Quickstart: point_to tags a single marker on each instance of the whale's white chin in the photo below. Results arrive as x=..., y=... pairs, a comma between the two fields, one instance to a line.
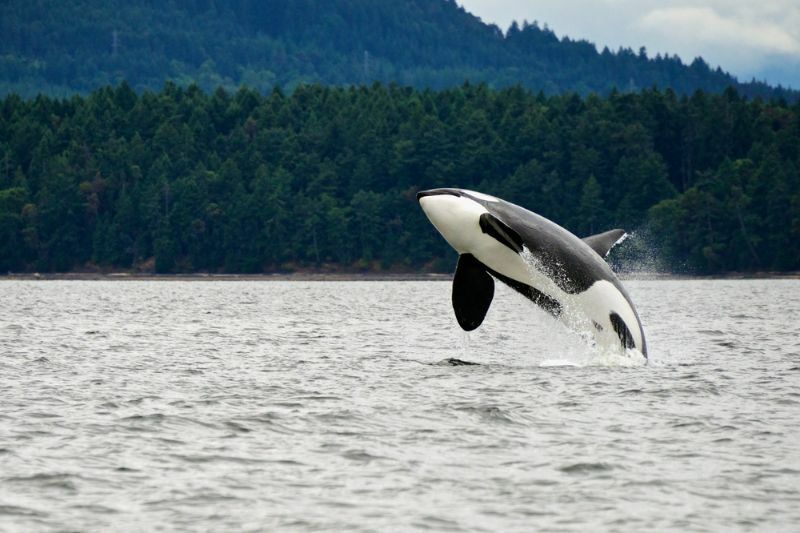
x=457, y=218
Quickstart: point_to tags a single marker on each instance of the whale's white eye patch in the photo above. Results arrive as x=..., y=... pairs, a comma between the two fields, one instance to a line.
x=481, y=196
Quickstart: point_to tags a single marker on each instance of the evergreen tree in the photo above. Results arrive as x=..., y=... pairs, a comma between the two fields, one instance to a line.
x=182, y=180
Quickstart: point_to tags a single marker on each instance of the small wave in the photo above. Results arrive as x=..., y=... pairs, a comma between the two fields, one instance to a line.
x=586, y=468
x=14, y=510
x=786, y=401
x=193, y=500
x=154, y=422
x=40, y=414
x=647, y=483
x=452, y=361
x=318, y=397
x=272, y=421
x=488, y=413
x=361, y=456
x=547, y=363
x=786, y=470
x=727, y=344
x=218, y=459
x=237, y=427
x=50, y=481
x=692, y=424
x=288, y=405
x=94, y=508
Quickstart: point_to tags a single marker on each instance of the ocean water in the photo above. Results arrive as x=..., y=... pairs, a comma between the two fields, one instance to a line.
x=263, y=405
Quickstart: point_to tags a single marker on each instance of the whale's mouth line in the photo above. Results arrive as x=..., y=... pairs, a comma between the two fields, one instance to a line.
x=438, y=192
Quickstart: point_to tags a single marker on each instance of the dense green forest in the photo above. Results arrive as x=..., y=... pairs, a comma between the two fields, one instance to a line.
x=60, y=47
x=184, y=180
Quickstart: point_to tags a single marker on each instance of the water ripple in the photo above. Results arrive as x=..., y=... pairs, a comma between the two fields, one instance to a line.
x=361, y=406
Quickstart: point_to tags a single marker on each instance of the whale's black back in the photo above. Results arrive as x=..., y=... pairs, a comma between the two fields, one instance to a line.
x=573, y=265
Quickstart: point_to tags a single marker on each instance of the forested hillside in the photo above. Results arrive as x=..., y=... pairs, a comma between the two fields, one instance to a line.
x=182, y=180
x=61, y=47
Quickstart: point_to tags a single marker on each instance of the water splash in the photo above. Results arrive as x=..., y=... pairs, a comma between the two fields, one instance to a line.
x=576, y=322
x=546, y=279
x=465, y=343
x=641, y=255
x=617, y=358
x=600, y=358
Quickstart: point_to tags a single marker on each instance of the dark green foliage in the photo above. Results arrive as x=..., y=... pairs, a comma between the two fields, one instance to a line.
x=61, y=47
x=182, y=180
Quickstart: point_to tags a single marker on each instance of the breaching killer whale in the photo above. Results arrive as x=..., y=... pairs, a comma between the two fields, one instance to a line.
x=565, y=275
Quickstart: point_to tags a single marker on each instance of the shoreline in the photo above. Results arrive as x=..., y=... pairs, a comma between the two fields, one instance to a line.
x=351, y=276
x=201, y=276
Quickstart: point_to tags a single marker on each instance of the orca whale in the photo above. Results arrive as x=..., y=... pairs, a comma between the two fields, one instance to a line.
x=566, y=276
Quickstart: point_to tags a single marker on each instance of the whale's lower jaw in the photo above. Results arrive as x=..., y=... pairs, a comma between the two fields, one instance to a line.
x=456, y=219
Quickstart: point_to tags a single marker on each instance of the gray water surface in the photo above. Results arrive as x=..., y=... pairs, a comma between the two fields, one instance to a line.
x=167, y=405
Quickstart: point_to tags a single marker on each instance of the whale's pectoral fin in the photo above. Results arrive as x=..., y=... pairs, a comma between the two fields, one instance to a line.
x=473, y=290
x=496, y=228
x=602, y=243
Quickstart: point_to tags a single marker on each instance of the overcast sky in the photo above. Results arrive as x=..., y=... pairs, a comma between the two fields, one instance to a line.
x=748, y=38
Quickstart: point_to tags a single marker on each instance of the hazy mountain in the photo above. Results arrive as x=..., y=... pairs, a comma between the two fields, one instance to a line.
x=59, y=47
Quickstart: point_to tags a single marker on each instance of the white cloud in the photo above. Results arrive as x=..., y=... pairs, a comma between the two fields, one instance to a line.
x=704, y=27
x=749, y=38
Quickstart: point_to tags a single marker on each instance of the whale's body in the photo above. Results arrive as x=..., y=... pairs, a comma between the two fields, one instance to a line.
x=563, y=274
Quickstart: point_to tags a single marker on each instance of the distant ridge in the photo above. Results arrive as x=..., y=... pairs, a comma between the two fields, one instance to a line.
x=59, y=48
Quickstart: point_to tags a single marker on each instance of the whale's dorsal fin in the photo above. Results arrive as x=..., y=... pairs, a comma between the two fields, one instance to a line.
x=602, y=243
x=473, y=290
